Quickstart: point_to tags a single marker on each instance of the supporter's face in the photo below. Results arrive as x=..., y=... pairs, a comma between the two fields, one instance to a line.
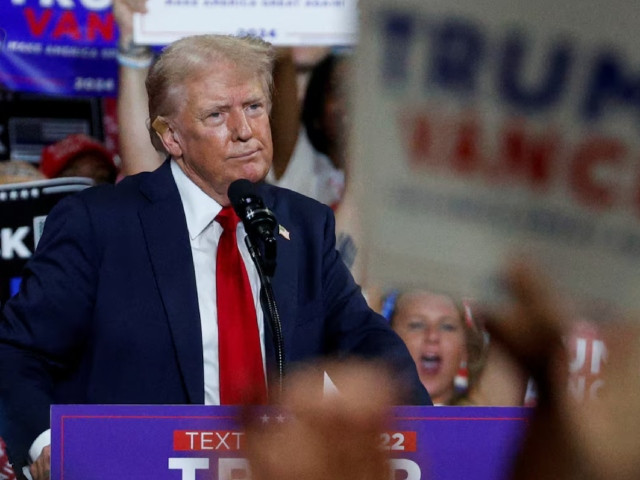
x=220, y=132
x=431, y=327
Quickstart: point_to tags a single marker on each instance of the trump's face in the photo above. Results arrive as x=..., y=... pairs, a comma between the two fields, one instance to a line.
x=220, y=131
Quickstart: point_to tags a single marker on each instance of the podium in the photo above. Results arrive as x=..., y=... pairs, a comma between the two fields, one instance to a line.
x=195, y=442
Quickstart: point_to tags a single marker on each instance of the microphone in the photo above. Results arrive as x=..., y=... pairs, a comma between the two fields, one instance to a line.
x=260, y=224
x=258, y=220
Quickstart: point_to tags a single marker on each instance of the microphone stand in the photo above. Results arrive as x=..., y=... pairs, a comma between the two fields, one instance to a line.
x=268, y=301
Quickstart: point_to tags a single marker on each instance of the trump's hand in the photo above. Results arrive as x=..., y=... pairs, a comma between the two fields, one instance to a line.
x=41, y=468
x=123, y=11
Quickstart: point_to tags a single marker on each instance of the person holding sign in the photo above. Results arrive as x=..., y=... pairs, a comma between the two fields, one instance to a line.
x=144, y=291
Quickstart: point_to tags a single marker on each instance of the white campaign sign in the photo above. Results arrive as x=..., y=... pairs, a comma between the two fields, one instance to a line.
x=487, y=129
x=281, y=22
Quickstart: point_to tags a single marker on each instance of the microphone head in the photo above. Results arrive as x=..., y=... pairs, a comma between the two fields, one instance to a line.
x=240, y=189
x=259, y=222
x=249, y=206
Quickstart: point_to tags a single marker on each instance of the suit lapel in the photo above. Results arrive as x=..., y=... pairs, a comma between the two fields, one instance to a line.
x=167, y=239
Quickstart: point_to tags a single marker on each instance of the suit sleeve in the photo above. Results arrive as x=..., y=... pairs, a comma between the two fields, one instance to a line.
x=42, y=328
x=356, y=330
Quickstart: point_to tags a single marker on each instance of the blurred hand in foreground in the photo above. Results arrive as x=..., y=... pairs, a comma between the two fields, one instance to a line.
x=337, y=437
x=590, y=439
x=332, y=437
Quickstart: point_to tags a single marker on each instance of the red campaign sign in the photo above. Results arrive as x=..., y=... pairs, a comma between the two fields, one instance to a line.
x=587, y=356
x=399, y=441
x=234, y=440
x=198, y=440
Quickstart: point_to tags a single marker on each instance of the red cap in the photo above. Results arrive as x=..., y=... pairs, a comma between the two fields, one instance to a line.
x=56, y=156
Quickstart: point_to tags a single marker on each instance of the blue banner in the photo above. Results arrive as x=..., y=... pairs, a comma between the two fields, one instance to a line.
x=61, y=47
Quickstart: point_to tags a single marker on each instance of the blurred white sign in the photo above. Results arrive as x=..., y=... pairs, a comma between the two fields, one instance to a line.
x=489, y=129
x=281, y=22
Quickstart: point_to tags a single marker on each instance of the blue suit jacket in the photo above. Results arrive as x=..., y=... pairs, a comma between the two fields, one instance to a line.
x=108, y=312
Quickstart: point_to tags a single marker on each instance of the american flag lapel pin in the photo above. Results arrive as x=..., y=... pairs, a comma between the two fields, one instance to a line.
x=284, y=232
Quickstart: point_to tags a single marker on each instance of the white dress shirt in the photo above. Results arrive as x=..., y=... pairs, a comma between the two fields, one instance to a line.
x=204, y=233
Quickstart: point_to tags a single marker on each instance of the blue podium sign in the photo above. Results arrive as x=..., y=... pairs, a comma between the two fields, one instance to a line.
x=95, y=442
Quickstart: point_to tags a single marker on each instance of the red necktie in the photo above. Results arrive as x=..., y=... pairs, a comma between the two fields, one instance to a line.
x=239, y=354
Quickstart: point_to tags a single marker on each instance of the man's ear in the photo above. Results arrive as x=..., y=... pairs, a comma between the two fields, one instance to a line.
x=167, y=136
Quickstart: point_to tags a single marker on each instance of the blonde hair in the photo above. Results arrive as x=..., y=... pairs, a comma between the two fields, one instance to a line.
x=189, y=56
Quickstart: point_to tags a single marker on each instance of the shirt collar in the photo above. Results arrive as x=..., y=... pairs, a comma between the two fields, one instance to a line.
x=199, y=208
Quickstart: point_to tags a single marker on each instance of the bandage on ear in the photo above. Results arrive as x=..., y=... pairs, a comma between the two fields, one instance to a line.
x=160, y=125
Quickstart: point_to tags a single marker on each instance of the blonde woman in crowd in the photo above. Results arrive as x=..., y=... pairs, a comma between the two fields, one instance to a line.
x=447, y=349
x=455, y=360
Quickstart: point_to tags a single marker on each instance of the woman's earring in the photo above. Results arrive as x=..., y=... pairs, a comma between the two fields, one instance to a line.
x=461, y=380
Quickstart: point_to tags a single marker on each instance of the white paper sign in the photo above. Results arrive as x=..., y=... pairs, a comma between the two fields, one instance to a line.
x=485, y=129
x=281, y=22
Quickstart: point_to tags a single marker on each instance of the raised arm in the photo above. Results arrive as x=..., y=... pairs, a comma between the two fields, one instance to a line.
x=136, y=151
